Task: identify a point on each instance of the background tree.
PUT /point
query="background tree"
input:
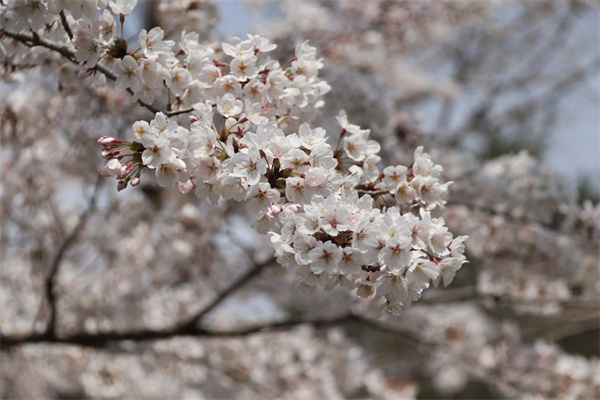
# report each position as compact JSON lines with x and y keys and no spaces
{"x":148,"y":293}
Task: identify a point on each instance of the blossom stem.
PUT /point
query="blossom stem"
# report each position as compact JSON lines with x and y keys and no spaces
{"x":65,"y":24}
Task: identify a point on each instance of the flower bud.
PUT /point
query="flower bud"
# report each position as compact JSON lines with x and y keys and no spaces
{"x":275,"y":209}
{"x":109,"y":140}
{"x":112,"y":168}
{"x":84,"y":73}
{"x":125,"y":170}
{"x":135,"y":181}
{"x":108,"y":154}
{"x":185,"y":187}
{"x":121,"y":185}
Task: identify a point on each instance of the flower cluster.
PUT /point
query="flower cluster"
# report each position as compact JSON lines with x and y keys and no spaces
{"x":188,"y":73}
{"x":333,"y":217}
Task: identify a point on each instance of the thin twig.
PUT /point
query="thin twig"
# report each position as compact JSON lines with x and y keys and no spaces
{"x":63,"y":19}
{"x":238,"y":283}
{"x":34,"y":40}
{"x":177,"y":112}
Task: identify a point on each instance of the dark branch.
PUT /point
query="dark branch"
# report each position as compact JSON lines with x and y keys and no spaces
{"x":63,"y":19}
{"x":49,"y":283}
{"x":188,"y":327}
{"x":177,"y":112}
{"x":238,"y":283}
{"x":35,"y":40}
{"x":32,"y":40}
{"x":102,"y":340}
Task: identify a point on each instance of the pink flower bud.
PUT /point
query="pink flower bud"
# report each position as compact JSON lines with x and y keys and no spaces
{"x":125,"y":170}
{"x":185,"y":187}
{"x":193,"y":118}
{"x":135,"y":181}
{"x":108,"y":154}
{"x":84,"y":73}
{"x":275,"y":209}
{"x":109,"y":140}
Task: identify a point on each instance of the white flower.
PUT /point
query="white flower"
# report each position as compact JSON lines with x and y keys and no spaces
{"x":324,"y":258}
{"x":250,"y":166}
{"x":107,"y":26}
{"x":396,"y":253}
{"x":243,"y":67}
{"x":261,"y":197}
{"x":168,"y":173}
{"x":180,"y":79}
{"x":112,"y":167}
{"x":122,"y":6}
{"x":88,"y":50}
{"x":239,"y":48}
{"x":140,"y":128}
{"x":261,"y":43}
{"x":229,"y":106}
{"x":205,"y":189}
{"x":253,"y":112}
{"x":448,"y":268}
{"x":405,"y":194}
{"x":393,"y":286}
{"x":128,"y":73}
{"x":420,"y":274}
{"x":157,"y":151}
{"x":208,"y":169}
{"x":394,"y":177}
{"x":295,"y":190}
{"x":334,"y":220}
{"x":342,"y":119}
{"x":351,"y":261}
{"x":152,"y":43}
{"x":356,"y":146}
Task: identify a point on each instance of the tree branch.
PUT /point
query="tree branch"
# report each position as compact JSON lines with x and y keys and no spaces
{"x":63,"y":19}
{"x":238,"y":283}
{"x":103,"y":340}
{"x":35,"y":40}
{"x":188,"y":327}
{"x":49,"y":284}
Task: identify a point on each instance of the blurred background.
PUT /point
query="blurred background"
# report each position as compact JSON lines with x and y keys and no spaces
{"x":153,"y":294}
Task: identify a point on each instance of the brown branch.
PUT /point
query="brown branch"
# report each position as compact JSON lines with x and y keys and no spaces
{"x":103,"y":340}
{"x":188,"y":327}
{"x":178,"y":112}
{"x":35,"y":40}
{"x":65,"y":24}
{"x":238,"y":283}
{"x":372,"y":192}
{"x":49,"y":284}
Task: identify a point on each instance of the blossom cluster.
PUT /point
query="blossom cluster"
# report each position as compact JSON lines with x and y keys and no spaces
{"x":333,"y":216}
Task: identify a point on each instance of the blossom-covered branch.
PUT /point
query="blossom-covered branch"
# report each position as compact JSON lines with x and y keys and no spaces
{"x":333,"y":217}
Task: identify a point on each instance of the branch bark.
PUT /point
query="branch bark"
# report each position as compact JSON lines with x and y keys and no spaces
{"x":104,"y":340}
{"x":49,"y":284}
{"x":35,"y":40}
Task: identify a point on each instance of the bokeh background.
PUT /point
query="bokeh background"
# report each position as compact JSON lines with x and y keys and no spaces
{"x":153,"y":294}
